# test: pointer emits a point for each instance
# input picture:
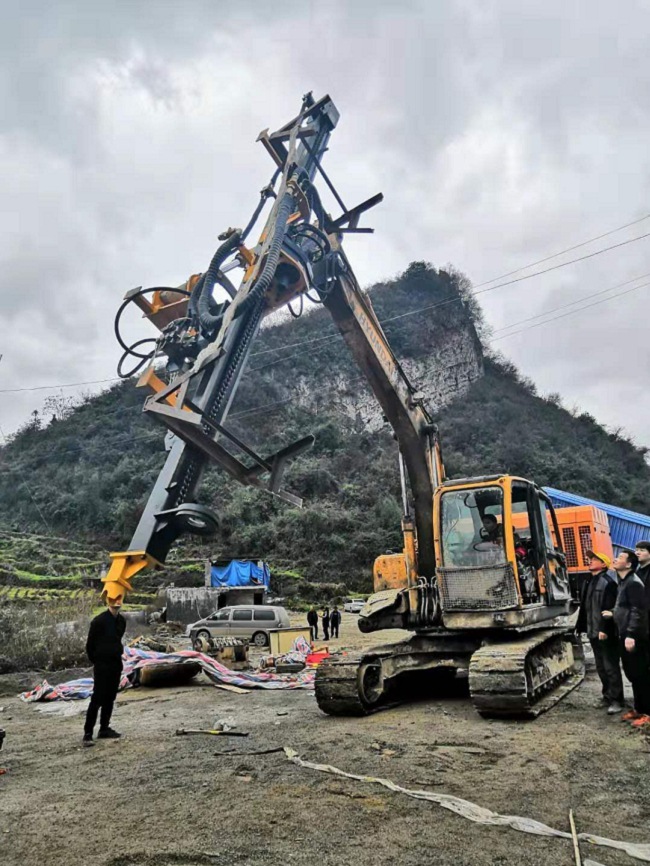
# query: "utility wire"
(571, 312)
(562, 252)
(457, 299)
(277, 403)
(573, 303)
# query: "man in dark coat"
(104, 649)
(631, 619)
(642, 551)
(598, 593)
(326, 623)
(312, 622)
(335, 621)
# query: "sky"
(499, 132)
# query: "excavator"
(481, 581)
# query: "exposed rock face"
(444, 371)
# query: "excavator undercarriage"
(518, 676)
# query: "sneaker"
(614, 708)
(630, 716)
(641, 722)
(108, 734)
(87, 740)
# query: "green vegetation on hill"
(90, 469)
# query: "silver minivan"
(251, 621)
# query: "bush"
(44, 636)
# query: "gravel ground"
(154, 799)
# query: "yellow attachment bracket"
(124, 566)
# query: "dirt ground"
(154, 799)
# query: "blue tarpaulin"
(240, 572)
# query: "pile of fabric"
(135, 659)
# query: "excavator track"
(351, 685)
(518, 678)
(525, 677)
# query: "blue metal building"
(625, 527)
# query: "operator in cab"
(104, 649)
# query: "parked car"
(252, 621)
(354, 606)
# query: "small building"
(228, 582)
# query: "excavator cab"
(496, 563)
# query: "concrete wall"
(188, 605)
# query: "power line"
(457, 299)
(54, 387)
(572, 312)
(573, 303)
(562, 252)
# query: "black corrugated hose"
(263, 282)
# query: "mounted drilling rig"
(481, 579)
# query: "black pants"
(314, 632)
(105, 686)
(636, 665)
(335, 630)
(608, 666)
(326, 632)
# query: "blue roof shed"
(625, 527)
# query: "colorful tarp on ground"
(240, 572)
(134, 659)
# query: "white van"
(251, 621)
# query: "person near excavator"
(326, 623)
(631, 619)
(598, 593)
(104, 649)
(335, 621)
(312, 622)
(642, 551)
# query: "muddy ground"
(154, 799)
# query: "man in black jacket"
(335, 621)
(312, 622)
(104, 649)
(598, 593)
(631, 619)
(326, 623)
(642, 550)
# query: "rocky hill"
(87, 471)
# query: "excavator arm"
(207, 344)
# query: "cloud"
(498, 133)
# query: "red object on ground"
(315, 658)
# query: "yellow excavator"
(481, 581)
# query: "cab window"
(472, 528)
(222, 614)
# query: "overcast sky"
(499, 133)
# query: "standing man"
(631, 619)
(104, 649)
(312, 622)
(326, 623)
(335, 621)
(598, 593)
(642, 551)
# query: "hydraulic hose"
(202, 300)
(263, 281)
(129, 350)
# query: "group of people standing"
(615, 616)
(330, 620)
